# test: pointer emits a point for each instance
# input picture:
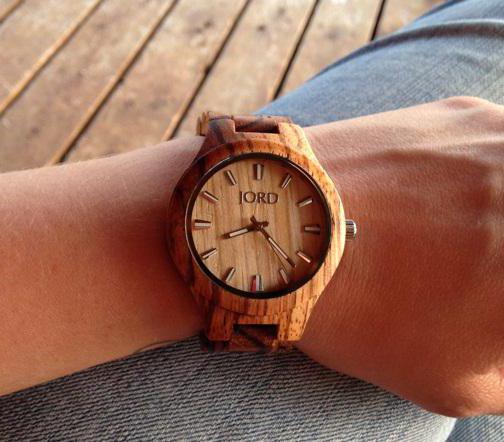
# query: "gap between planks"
(158, 87)
(295, 52)
(179, 118)
(108, 90)
(397, 13)
(174, 126)
(379, 17)
(172, 130)
(45, 58)
(337, 29)
(7, 7)
(245, 61)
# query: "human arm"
(417, 304)
(84, 272)
(88, 278)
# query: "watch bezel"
(195, 255)
(205, 291)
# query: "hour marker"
(230, 177)
(303, 256)
(256, 285)
(284, 276)
(230, 274)
(287, 179)
(305, 202)
(210, 196)
(313, 228)
(258, 171)
(202, 224)
(208, 253)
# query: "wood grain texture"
(398, 13)
(7, 7)
(160, 85)
(52, 112)
(225, 309)
(29, 40)
(336, 29)
(254, 61)
(256, 126)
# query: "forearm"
(84, 275)
(415, 305)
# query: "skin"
(415, 307)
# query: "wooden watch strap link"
(219, 129)
(243, 123)
(249, 337)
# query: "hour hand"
(243, 230)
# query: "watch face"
(258, 225)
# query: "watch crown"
(351, 229)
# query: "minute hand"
(274, 245)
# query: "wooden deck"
(85, 78)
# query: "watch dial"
(259, 226)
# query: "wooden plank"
(31, 38)
(398, 13)
(254, 61)
(7, 7)
(57, 105)
(336, 29)
(159, 87)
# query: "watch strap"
(242, 123)
(247, 338)
(219, 129)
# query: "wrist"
(102, 285)
(345, 331)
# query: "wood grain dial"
(258, 225)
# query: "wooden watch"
(256, 228)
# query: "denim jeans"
(179, 393)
